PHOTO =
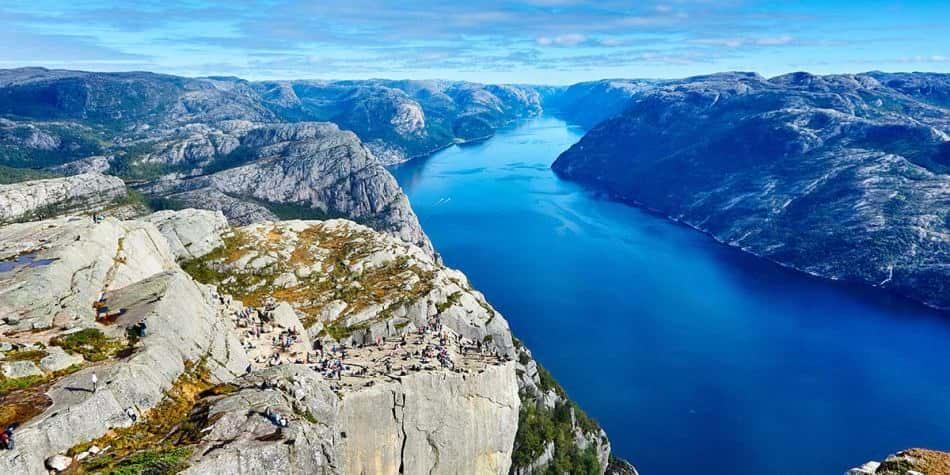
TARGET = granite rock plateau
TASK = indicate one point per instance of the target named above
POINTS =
(315, 346)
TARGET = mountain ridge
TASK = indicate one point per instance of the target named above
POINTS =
(841, 176)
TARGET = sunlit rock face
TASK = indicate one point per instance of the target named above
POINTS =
(77, 270)
(304, 168)
(844, 177)
(36, 199)
(203, 385)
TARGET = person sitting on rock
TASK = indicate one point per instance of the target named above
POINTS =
(7, 438)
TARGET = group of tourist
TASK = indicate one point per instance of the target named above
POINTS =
(258, 324)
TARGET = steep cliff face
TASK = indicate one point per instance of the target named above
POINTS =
(359, 289)
(45, 198)
(844, 177)
(426, 381)
(294, 170)
(424, 423)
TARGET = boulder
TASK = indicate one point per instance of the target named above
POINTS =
(191, 233)
(57, 359)
(868, 468)
(285, 316)
(58, 463)
(20, 369)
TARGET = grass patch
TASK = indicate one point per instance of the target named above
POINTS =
(163, 461)
(23, 398)
(12, 384)
(91, 343)
(24, 355)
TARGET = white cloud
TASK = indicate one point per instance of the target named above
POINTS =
(570, 39)
(936, 58)
(739, 42)
(774, 41)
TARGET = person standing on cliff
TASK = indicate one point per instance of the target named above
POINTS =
(95, 383)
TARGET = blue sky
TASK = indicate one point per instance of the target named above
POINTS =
(526, 41)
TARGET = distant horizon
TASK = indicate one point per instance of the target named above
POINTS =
(553, 42)
(338, 79)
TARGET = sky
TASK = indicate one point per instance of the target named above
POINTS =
(522, 41)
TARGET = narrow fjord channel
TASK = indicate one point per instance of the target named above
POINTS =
(695, 358)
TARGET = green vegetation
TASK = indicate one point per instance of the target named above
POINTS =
(449, 302)
(23, 398)
(547, 382)
(128, 165)
(16, 175)
(159, 204)
(287, 211)
(7, 384)
(91, 343)
(134, 198)
(538, 426)
(239, 156)
(46, 212)
(24, 355)
(75, 142)
(158, 462)
(337, 249)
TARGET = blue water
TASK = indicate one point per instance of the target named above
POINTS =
(25, 260)
(695, 358)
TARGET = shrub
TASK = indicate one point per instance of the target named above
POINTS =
(91, 343)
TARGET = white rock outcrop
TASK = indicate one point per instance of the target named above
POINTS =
(130, 265)
(190, 233)
(89, 191)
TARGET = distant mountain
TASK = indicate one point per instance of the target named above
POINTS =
(400, 120)
(842, 176)
(166, 134)
(588, 103)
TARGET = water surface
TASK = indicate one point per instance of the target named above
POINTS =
(695, 358)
